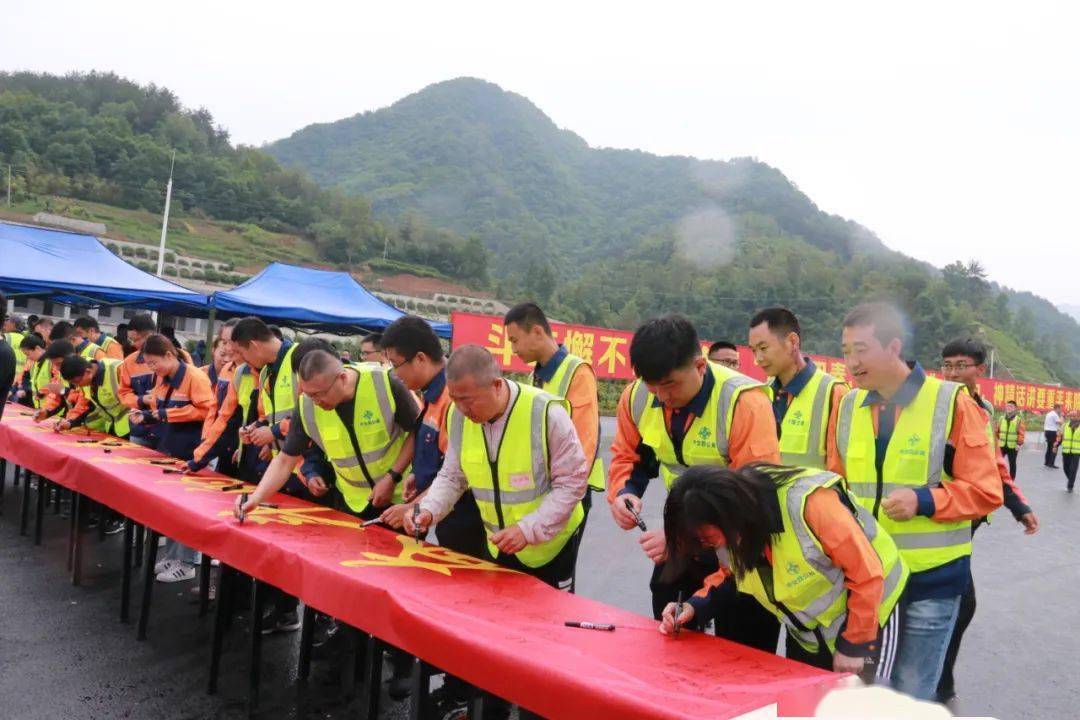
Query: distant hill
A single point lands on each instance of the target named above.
(613, 236)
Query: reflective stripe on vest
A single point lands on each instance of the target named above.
(706, 440)
(279, 401)
(40, 376)
(915, 458)
(90, 351)
(112, 413)
(807, 591)
(377, 434)
(559, 386)
(1070, 439)
(1009, 432)
(802, 431)
(516, 482)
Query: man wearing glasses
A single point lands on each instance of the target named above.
(964, 361)
(371, 350)
(724, 353)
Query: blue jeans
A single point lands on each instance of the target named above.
(928, 627)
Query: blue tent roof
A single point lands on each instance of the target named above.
(78, 269)
(316, 299)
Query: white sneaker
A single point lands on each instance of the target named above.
(163, 565)
(177, 573)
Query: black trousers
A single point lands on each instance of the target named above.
(1010, 455)
(946, 688)
(1069, 463)
(1051, 451)
(739, 617)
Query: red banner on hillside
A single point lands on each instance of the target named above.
(498, 629)
(608, 351)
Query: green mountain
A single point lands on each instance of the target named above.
(610, 237)
(100, 138)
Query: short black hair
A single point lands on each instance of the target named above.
(886, 320)
(780, 320)
(722, 345)
(527, 315)
(307, 346)
(966, 347)
(31, 341)
(3, 307)
(276, 331)
(251, 329)
(1010, 402)
(410, 335)
(62, 330)
(73, 366)
(142, 323)
(59, 349)
(373, 338)
(158, 345)
(85, 322)
(662, 345)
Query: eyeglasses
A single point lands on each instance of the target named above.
(958, 367)
(403, 362)
(733, 364)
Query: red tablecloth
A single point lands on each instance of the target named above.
(500, 630)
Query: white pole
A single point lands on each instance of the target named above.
(991, 362)
(165, 219)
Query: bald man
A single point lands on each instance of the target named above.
(532, 510)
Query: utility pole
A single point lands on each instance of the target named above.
(9, 185)
(385, 246)
(165, 218)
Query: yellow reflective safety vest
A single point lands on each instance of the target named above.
(1009, 432)
(805, 425)
(558, 386)
(108, 343)
(514, 482)
(706, 440)
(802, 586)
(1070, 439)
(279, 401)
(365, 452)
(40, 376)
(15, 339)
(914, 459)
(90, 350)
(243, 382)
(108, 412)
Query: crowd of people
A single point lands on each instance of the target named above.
(843, 516)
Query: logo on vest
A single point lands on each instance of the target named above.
(793, 569)
(796, 419)
(368, 418)
(704, 436)
(913, 446)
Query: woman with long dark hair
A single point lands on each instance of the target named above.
(797, 542)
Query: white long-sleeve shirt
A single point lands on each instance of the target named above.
(569, 475)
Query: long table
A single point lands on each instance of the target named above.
(500, 630)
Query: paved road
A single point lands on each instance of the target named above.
(63, 654)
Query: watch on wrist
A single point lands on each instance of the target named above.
(394, 475)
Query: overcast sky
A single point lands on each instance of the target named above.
(948, 128)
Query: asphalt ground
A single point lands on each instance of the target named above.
(63, 652)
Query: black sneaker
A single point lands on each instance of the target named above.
(448, 704)
(273, 622)
(114, 526)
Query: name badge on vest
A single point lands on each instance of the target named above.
(520, 480)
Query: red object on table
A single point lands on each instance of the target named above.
(500, 630)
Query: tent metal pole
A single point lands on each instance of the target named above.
(210, 329)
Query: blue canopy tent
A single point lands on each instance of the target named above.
(318, 300)
(77, 269)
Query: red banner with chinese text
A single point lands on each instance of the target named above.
(608, 351)
(498, 629)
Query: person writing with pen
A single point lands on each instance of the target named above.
(797, 542)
